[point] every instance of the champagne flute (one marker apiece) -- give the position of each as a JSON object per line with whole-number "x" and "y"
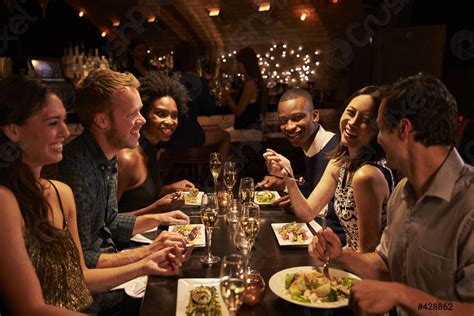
{"x": 209, "y": 215}
{"x": 230, "y": 175}
{"x": 215, "y": 166}
{"x": 250, "y": 226}
{"x": 246, "y": 190}
{"x": 233, "y": 277}
{"x": 233, "y": 211}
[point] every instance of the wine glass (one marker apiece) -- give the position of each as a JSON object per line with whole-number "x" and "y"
{"x": 246, "y": 190}
{"x": 209, "y": 215}
{"x": 230, "y": 175}
{"x": 215, "y": 166}
{"x": 233, "y": 211}
{"x": 233, "y": 277}
{"x": 250, "y": 226}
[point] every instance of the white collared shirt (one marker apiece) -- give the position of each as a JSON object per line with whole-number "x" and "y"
{"x": 322, "y": 138}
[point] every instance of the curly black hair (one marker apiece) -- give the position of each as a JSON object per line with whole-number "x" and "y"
{"x": 156, "y": 85}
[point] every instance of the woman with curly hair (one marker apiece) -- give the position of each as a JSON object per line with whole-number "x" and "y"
{"x": 356, "y": 176}
{"x": 139, "y": 181}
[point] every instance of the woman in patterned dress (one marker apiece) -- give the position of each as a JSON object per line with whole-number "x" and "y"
{"x": 356, "y": 176}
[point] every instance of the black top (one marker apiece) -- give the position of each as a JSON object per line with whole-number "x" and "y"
{"x": 188, "y": 133}
{"x": 149, "y": 191}
{"x": 250, "y": 118}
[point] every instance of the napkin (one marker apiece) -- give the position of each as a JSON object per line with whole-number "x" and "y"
{"x": 135, "y": 287}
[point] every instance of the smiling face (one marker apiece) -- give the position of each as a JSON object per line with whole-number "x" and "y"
{"x": 298, "y": 121}
{"x": 125, "y": 119}
{"x": 42, "y": 135}
{"x": 162, "y": 118}
{"x": 357, "y": 124}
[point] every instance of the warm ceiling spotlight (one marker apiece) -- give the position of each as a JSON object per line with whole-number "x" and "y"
{"x": 335, "y": 1}
{"x": 104, "y": 34}
{"x": 116, "y": 23}
{"x": 81, "y": 13}
{"x": 304, "y": 15}
{"x": 213, "y": 11}
{"x": 151, "y": 19}
{"x": 264, "y": 6}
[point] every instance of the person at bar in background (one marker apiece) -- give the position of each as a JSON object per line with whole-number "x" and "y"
{"x": 139, "y": 183}
{"x": 44, "y": 272}
{"x": 251, "y": 101}
{"x": 138, "y": 61}
{"x": 299, "y": 122}
{"x": 189, "y": 134}
{"x": 424, "y": 263}
{"x": 108, "y": 105}
{"x": 356, "y": 176}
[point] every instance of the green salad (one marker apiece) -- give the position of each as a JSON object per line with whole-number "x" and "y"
{"x": 313, "y": 287}
{"x": 264, "y": 196}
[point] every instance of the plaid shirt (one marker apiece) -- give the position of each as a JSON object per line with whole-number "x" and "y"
{"x": 93, "y": 180}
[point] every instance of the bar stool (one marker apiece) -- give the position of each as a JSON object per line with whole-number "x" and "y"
{"x": 190, "y": 163}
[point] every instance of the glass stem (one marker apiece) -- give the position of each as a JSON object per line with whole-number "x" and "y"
{"x": 215, "y": 185}
{"x": 209, "y": 240}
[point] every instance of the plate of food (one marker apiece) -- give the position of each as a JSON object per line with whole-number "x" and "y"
{"x": 308, "y": 287}
{"x": 194, "y": 233}
{"x": 292, "y": 234}
{"x": 199, "y": 297}
{"x": 193, "y": 197}
{"x": 266, "y": 197}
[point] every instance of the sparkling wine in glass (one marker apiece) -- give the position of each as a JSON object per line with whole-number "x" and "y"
{"x": 246, "y": 190}
{"x": 250, "y": 226}
{"x": 230, "y": 175}
{"x": 233, "y": 277}
{"x": 209, "y": 214}
{"x": 215, "y": 166}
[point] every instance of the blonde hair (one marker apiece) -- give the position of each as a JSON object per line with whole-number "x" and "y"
{"x": 94, "y": 93}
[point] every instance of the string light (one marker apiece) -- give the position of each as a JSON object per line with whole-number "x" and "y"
{"x": 81, "y": 13}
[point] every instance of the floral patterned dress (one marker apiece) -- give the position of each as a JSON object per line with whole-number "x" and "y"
{"x": 345, "y": 207}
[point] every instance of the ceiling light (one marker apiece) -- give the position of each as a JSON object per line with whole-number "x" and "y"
{"x": 264, "y": 6}
{"x": 116, "y": 23}
{"x": 214, "y": 11}
{"x": 104, "y": 34}
{"x": 151, "y": 19}
{"x": 81, "y": 13}
{"x": 304, "y": 15}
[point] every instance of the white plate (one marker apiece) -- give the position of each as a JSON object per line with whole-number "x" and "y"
{"x": 257, "y": 193}
{"x": 200, "y": 240}
{"x": 198, "y": 199}
{"x": 184, "y": 288}
{"x": 282, "y": 242}
{"x": 277, "y": 285}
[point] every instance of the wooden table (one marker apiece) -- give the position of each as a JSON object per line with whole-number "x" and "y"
{"x": 267, "y": 258}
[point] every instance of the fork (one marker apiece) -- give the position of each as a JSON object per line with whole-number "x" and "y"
{"x": 326, "y": 264}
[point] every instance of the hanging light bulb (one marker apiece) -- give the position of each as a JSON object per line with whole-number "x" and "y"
{"x": 304, "y": 15}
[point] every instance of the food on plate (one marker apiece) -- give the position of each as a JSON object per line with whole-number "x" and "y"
{"x": 203, "y": 301}
{"x": 294, "y": 232}
{"x": 190, "y": 232}
{"x": 191, "y": 197}
{"x": 313, "y": 287}
{"x": 264, "y": 196}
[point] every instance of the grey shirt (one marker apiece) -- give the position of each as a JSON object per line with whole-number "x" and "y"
{"x": 429, "y": 244}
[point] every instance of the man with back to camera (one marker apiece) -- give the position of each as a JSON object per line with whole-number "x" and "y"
{"x": 299, "y": 122}
{"x": 424, "y": 263}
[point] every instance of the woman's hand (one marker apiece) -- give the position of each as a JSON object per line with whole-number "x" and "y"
{"x": 277, "y": 165}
